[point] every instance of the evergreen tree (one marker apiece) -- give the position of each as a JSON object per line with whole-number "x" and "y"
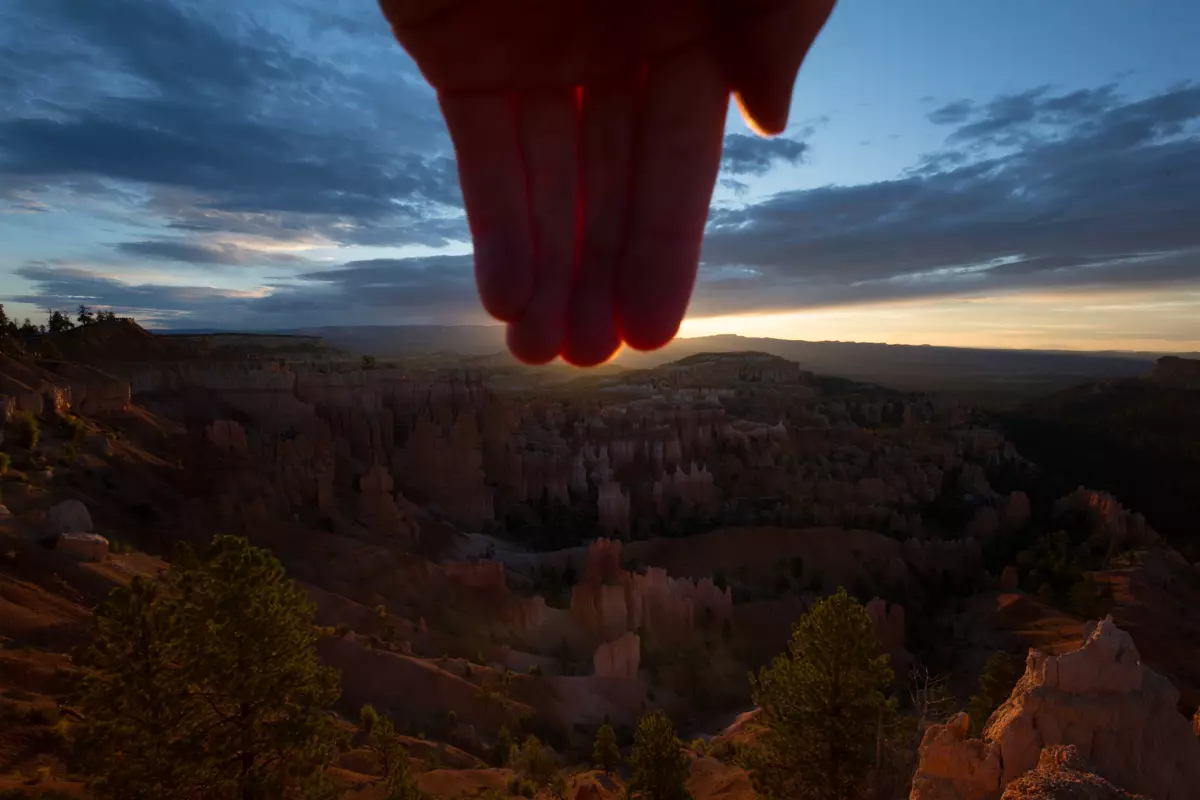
{"x": 207, "y": 685}
{"x": 995, "y": 685}
{"x": 658, "y": 766}
{"x": 398, "y": 779}
{"x": 605, "y": 753}
{"x": 57, "y": 322}
{"x": 85, "y": 316}
{"x": 824, "y": 705}
{"x": 532, "y": 761}
{"x": 504, "y": 746}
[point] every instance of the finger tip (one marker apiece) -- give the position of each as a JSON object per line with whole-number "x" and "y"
{"x": 762, "y": 118}
{"x": 591, "y": 352}
{"x": 650, "y": 333}
{"x": 531, "y": 345}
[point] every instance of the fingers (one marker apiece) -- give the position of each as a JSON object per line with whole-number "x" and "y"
{"x": 766, "y": 43}
{"x": 676, "y": 159}
{"x": 607, "y": 119}
{"x": 490, "y": 171}
{"x": 547, "y": 125}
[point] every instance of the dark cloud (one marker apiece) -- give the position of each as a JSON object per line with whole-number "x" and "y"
{"x": 207, "y": 103}
{"x": 1107, "y": 196}
{"x": 752, "y": 155}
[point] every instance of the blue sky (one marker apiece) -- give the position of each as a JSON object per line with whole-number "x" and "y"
{"x": 1022, "y": 174}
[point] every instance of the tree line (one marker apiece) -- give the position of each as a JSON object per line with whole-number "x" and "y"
{"x": 56, "y": 321}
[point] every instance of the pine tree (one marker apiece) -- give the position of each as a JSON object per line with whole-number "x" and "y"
{"x": 398, "y": 779}
{"x": 995, "y": 685}
{"x": 605, "y": 753}
{"x": 658, "y": 766}
{"x": 207, "y": 685}
{"x": 825, "y": 709}
{"x": 57, "y": 321}
{"x": 532, "y": 761}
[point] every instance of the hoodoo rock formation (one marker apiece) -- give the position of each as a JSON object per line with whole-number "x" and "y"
{"x": 619, "y": 658}
{"x": 1119, "y": 715}
{"x": 609, "y": 601}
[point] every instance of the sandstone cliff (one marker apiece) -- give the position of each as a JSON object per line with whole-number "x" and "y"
{"x": 1118, "y": 715}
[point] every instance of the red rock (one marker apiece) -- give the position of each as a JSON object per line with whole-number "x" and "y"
{"x": 619, "y": 658}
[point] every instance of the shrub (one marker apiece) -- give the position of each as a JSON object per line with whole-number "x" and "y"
{"x": 28, "y": 431}
{"x": 74, "y": 429}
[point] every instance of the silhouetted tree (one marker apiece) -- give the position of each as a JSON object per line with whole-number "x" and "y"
{"x": 56, "y": 321}
{"x": 207, "y": 684}
{"x": 85, "y": 315}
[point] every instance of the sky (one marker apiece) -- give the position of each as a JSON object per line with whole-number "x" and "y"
{"x": 1022, "y": 174}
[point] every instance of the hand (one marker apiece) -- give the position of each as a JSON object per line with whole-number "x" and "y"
{"x": 588, "y": 136}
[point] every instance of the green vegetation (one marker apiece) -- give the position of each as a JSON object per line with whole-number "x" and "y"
{"x": 995, "y": 685}
{"x": 398, "y": 779}
{"x": 605, "y": 753}
{"x": 207, "y": 684}
{"x": 5, "y": 462}
{"x": 74, "y": 429}
{"x": 658, "y": 767}
{"x": 532, "y": 761}
{"x": 824, "y": 707}
{"x": 28, "y": 430}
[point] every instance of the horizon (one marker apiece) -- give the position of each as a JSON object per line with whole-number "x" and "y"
{"x": 287, "y": 167}
{"x": 303, "y": 331}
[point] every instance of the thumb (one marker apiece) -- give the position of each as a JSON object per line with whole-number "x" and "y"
{"x": 766, "y": 43}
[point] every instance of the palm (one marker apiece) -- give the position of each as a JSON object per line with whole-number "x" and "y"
{"x": 588, "y": 137}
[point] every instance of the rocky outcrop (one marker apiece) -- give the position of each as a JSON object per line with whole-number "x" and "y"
{"x": 69, "y": 516}
{"x": 1062, "y": 774}
{"x": 1106, "y": 519}
{"x": 378, "y": 511}
{"x": 82, "y": 546}
{"x": 93, "y": 391}
{"x": 619, "y": 658}
{"x": 1118, "y": 714}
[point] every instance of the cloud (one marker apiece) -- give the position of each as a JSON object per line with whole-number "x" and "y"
{"x": 378, "y": 291}
{"x": 752, "y": 155}
{"x": 215, "y": 253}
{"x": 1098, "y": 191}
{"x": 209, "y": 110}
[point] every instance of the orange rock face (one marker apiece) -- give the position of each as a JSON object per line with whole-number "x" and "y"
{"x": 1118, "y": 714}
{"x": 1062, "y": 774}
